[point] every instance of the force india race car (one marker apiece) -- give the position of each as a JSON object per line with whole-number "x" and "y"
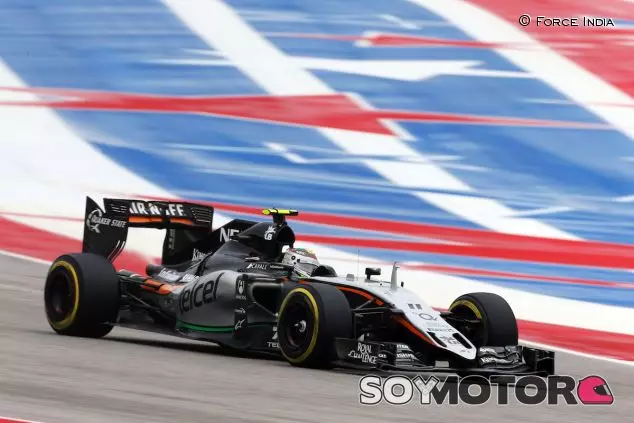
{"x": 228, "y": 286}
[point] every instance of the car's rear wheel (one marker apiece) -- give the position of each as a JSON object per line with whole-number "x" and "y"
{"x": 494, "y": 322}
{"x": 311, "y": 316}
{"x": 81, "y": 295}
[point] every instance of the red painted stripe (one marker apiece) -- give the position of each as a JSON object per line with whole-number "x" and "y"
{"x": 604, "y": 51}
{"x": 328, "y": 111}
{"x": 605, "y": 344}
{"x": 390, "y": 40}
{"x": 29, "y": 241}
{"x": 12, "y": 420}
{"x": 22, "y": 239}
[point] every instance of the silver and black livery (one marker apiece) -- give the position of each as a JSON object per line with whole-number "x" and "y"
{"x": 228, "y": 286}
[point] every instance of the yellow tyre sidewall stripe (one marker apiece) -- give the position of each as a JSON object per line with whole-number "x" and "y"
{"x": 313, "y": 340}
{"x": 63, "y": 324}
{"x": 469, "y": 304}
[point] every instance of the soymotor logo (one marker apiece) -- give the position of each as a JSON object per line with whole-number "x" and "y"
{"x": 478, "y": 390}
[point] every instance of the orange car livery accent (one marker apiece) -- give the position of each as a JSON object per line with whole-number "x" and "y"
{"x": 362, "y": 293}
{"x": 143, "y": 219}
{"x": 148, "y": 288}
{"x": 413, "y": 329}
{"x": 182, "y": 221}
{"x": 165, "y": 289}
{"x": 157, "y": 287}
{"x": 140, "y": 219}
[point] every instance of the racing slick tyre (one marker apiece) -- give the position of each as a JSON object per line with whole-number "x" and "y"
{"x": 311, "y": 316}
{"x": 497, "y": 325}
{"x": 81, "y": 295}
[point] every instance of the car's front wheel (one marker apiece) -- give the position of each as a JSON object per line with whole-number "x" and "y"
{"x": 311, "y": 316}
{"x": 491, "y": 319}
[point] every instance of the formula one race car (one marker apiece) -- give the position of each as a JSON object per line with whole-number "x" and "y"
{"x": 229, "y": 286}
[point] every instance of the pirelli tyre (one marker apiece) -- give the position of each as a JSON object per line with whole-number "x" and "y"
{"x": 497, "y": 325}
{"x": 311, "y": 316}
{"x": 81, "y": 295}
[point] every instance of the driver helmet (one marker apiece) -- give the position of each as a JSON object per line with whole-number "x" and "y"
{"x": 304, "y": 261}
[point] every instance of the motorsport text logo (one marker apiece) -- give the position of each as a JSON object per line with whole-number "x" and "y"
{"x": 478, "y": 390}
{"x": 553, "y": 21}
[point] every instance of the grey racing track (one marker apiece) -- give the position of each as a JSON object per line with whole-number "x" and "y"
{"x": 142, "y": 377}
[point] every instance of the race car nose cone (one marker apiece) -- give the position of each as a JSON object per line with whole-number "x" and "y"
{"x": 594, "y": 390}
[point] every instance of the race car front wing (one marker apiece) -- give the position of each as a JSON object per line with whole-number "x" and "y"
{"x": 489, "y": 361}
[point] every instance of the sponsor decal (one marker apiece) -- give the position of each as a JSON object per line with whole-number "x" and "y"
{"x": 417, "y": 310}
{"x": 499, "y": 355}
{"x": 240, "y": 289}
{"x": 143, "y": 208}
{"x": 95, "y": 219}
{"x": 92, "y": 221}
{"x": 273, "y": 343}
{"x": 426, "y": 316}
{"x": 277, "y": 267}
{"x": 171, "y": 239}
{"x": 258, "y": 266}
{"x": 268, "y": 235}
{"x": 198, "y": 294}
{"x": 479, "y": 390}
{"x": 403, "y": 352}
{"x": 187, "y": 278}
{"x": 173, "y": 276}
{"x": 226, "y": 234}
{"x": 169, "y": 275}
{"x": 449, "y": 340}
{"x": 436, "y": 327}
{"x": 406, "y": 356}
{"x": 489, "y": 359}
{"x": 364, "y": 353}
{"x": 240, "y": 324}
{"x": 198, "y": 255}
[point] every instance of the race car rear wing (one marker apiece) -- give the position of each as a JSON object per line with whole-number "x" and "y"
{"x": 189, "y": 234}
{"x": 161, "y": 214}
{"x": 106, "y": 230}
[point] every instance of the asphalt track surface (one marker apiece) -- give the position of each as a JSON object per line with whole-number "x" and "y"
{"x": 140, "y": 377}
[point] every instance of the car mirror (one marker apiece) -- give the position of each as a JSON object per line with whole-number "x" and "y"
{"x": 372, "y": 271}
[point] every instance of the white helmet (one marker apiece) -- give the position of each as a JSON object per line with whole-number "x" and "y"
{"x": 303, "y": 260}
